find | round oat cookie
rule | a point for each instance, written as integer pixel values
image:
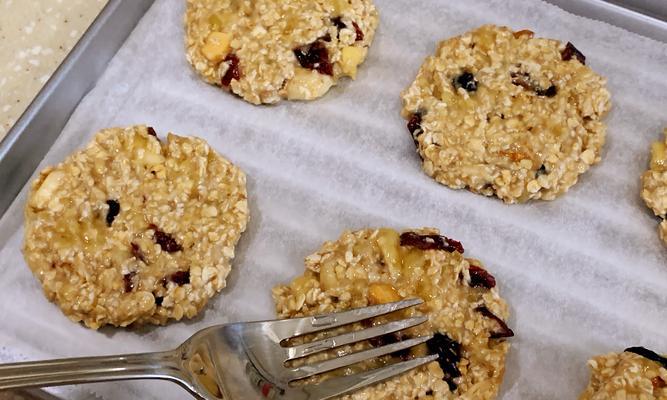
(268, 50)
(135, 230)
(503, 113)
(635, 374)
(466, 313)
(654, 184)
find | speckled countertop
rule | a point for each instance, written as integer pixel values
(35, 37)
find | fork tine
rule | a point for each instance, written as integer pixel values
(289, 328)
(352, 337)
(339, 386)
(328, 365)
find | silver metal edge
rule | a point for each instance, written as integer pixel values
(632, 15)
(38, 127)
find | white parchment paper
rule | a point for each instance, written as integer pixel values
(585, 274)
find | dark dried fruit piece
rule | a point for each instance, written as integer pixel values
(430, 242)
(658, 383)
(151, 131)
(159, 300)
(233, 72)
(524, 80)
(165, 240)
(180, 278)
(504, 331)
(414, 126)
(138, 253)
(541, 171)
(128, 281)
(338, 23)
(467, 81)
(551, 91)
(114, 210)
(315, 56)
(646, 353)
(449, 354)
(358, 31)
(570, 51)
(479, 277)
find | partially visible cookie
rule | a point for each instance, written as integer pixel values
(135, 230)
(654, 184)
(504, 113)
(466, 314)
(268, 50)
(635, 374)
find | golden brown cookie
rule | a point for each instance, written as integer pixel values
(654, 184)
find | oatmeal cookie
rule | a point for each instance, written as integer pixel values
(654, 184)
(503, 113)
(635, 374)
(135, 230)
(466, 313)
(268, 50)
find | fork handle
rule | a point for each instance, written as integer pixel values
(69, 371)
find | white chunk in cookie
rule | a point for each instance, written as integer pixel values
(466, 314)
(135, 230)
(506, 114)
(268, 50)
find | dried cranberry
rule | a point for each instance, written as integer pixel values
(114, 210)
(165, 240)
(481, 277)
(449, 354)
(138, 253)
(658, 383)
(338, 23)
(151, 131)
(233, 72)
(180, 278)
(128, 281)
(430, 242)
(159, 300)
(651, 355)
(358, 31)
(570, 51)
(467, 81)
(504, 331)
(414, 126)
(315, 56)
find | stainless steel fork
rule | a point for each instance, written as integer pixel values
(242, 360)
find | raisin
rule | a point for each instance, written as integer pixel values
(114, 210)
(233, 72)
(570, 51)
(180, 278)
(430, 242)
(504, 331)
(315, 56)
(151, 131)
(128, 281)
(358, 31)
(467, 81)
(481, 277)
(326, 38)
(138, 253)
(338, 23)
(551, 91)
(646, 353)
(165, 240)
(449, 354)
(159, 300)
(429, 392)
(414, 126)
(541, 171)
(658, 383)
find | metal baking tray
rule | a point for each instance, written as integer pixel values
(40, 125)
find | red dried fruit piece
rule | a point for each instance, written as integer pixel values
(449, 355)
(315, 56)
(481, 277)
(570, 51)
(233, 72)
(180, 278)
(138, 253)
(430, 242)
(658, 383)
(128, 281)
(358, 31)
(646, 353)
(165, 240)
(504, 331)
(414, 125)
(114, 210)
(151, 131)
